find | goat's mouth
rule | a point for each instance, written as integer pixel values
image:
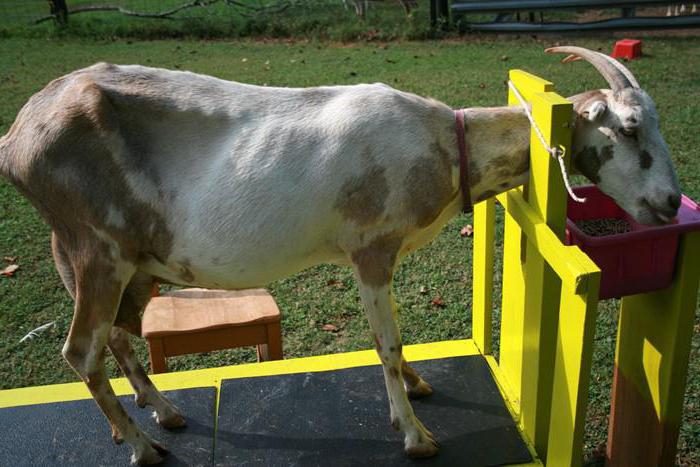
(654, 216)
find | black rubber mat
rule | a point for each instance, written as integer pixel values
(77, 434)
(341, 418)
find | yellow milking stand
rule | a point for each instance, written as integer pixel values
(550, 296)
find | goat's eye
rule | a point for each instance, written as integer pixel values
(628, 131)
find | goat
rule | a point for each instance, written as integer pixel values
(681, 9)
(145, 173)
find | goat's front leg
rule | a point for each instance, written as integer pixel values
(167, 415)
(380, 307)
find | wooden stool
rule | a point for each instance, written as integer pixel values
(200, 320)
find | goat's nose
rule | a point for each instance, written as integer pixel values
(674, 201)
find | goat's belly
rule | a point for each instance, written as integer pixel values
(243, 269)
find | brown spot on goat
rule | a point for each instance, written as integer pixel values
(185, 273)
(645, 160)
(377, 343)
(582, 102)
(375, 262)
(74, 180)
(474, 173)
(523, 162)
(362, 198)
(428, 188)
(588, 163)
(409, 374)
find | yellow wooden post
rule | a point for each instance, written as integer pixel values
(572, 367)
(482, 274)
(512, 307)
(653, 345)
(530, 305)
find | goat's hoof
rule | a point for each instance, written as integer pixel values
(152, 454)
(424, 449)
(426, 445)
(422, 389)
(173, 420)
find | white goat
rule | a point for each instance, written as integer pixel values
(679, 10)
(146, 173)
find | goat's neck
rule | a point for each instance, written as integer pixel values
(498, 144)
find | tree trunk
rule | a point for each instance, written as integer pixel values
(59, 10)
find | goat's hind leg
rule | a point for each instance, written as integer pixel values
(99, 284)
(416, 387)
(166, 414)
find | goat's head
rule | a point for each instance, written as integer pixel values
(617, 143)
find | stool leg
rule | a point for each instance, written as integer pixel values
(263, 353)
(274, 341)
(156, 356)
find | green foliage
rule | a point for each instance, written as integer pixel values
(303, 19)
(459, 73)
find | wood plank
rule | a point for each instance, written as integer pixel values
(482, 274)
(653, 347)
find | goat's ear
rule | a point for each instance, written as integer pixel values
(594, 111)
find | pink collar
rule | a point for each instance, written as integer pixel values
(463, 161)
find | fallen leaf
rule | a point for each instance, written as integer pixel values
(9, 271)
(244, 60)
(438, 302)
(467, 231)
(10, 259)
(482, 86)
(423, 290)
(330, 328)
(504, 58)
(35, 332)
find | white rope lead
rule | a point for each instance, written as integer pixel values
(557, 153)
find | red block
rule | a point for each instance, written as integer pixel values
(627, 48)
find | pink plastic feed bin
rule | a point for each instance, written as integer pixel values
(640, 260)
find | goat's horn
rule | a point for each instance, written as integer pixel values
(615, 74)
(624, 70)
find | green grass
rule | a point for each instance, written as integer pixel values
(458, 73)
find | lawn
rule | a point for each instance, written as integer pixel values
(459, 73)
